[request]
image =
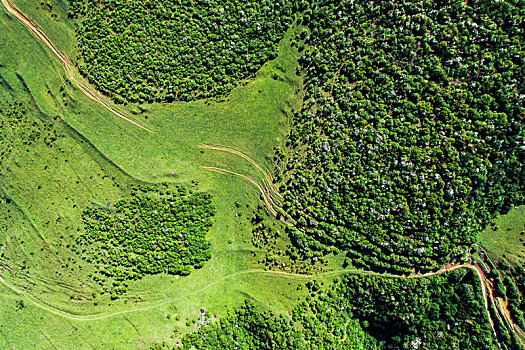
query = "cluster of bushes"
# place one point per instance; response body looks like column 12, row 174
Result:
column 16, row 128
column 411, row 136
column 252, row 327
column 275, row 250
column 154, row 231
column 153, row 50
column 364, row 312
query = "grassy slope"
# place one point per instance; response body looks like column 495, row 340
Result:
column 251, row 120
column 508, row 237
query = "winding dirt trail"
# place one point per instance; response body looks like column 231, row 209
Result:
column 345, row 332
column 86, row 90
column 266, row 176
column 267, row 200
column 94, row 317
column 486, row 285
column 500, row 305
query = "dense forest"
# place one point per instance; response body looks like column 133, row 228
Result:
column 440, row 312
column 411, row 137
column 251, row 327
column 157, row 50
column 16, row 129
column 156, row 230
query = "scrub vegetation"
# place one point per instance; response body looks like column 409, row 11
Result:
column 145, row 51
column 156, row 230
column 411, row 136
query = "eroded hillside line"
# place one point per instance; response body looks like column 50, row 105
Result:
column 268, row 179
column 86, row 90
column 95, row 317
column 267, row 200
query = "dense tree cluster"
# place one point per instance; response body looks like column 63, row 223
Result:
column 157, row 50
column 154, row 231
column 411, row 136
column 15, row 128
column 439, row 312
column 252, row 328
column 364, row 312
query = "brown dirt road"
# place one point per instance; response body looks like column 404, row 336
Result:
column 86, row 90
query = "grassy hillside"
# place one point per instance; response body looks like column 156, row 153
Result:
column 45, row 189
column 506, row 236
column 87, row 157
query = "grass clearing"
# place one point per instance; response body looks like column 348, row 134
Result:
column 506, row 236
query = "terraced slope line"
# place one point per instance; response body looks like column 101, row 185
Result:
column 266, row 176
column 266, row 198
column 86, row 90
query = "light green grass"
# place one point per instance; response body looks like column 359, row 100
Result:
column 58, row 29
column 509, row 236
column 43, row 221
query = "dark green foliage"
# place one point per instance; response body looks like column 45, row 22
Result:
column 411, row 137
column 15, row 128
column 512, row 288
column 152, row 232
column 250, row 327
column 144, row 51
column 439, row 312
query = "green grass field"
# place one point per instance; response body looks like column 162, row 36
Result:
column 96, row 159
column 507, row 236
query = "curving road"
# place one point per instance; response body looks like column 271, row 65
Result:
column 40, row 35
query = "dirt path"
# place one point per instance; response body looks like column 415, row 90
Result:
column 94, row 317
column 40, row 35
column 266, row 176
column 485, row 284
column 500, row 305
column 345, row 333
column 267, row 201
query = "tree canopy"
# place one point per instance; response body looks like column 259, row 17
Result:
column 411, row 136
column 156, row 50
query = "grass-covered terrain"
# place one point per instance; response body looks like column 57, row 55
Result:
column 116, row 236
column 506, row 236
